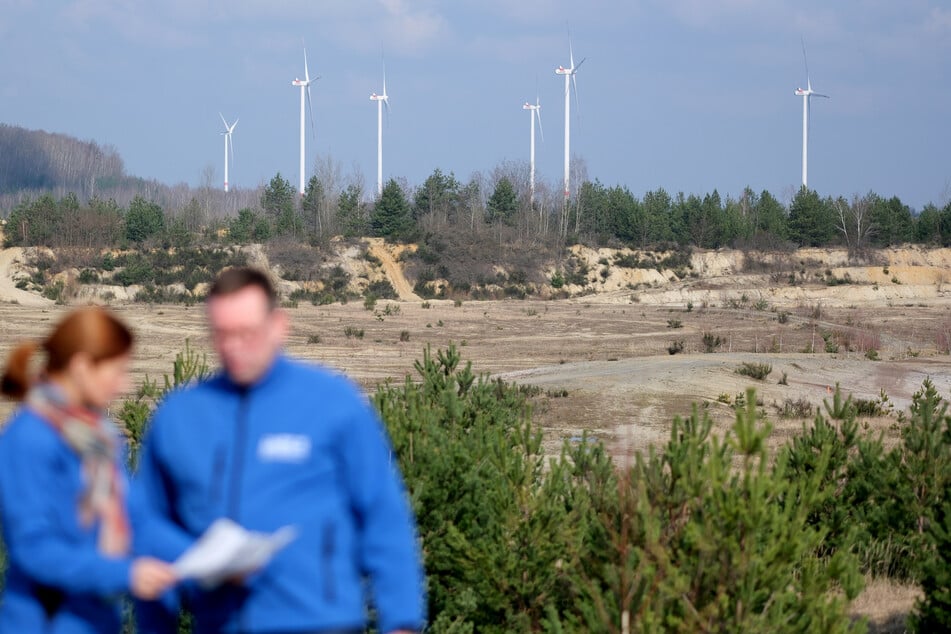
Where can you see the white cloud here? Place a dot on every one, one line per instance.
(412, 31)
(938, 23)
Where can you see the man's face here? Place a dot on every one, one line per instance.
(247, 335)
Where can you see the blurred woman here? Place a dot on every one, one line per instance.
(62, 484)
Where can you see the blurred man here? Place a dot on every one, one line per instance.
(272, 442)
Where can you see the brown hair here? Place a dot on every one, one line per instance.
(93, 331)
(241, 277)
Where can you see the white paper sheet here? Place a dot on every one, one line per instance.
(228, 550)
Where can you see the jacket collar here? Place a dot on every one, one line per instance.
(277, 368)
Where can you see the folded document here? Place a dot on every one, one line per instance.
(228, 550)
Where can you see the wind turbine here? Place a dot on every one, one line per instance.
(304, 85)
(536, 110)
(806, 95)
(229, 145)
(380, 100)
(570, 78)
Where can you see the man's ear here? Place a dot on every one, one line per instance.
(282, 324)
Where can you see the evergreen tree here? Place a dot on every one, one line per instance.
(391, 216)
(351, 216)
(892, 220)
(278, 198)
(771, 219)
(661, 224)
(34, 223)
(143, 220)
(811, 221)
(503, 203)
(928, 225)
(439, 196)
(310, 206)
(241, 227)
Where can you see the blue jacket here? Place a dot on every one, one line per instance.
(51, 556)
(302, 447)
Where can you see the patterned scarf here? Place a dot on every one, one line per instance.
(91, 435)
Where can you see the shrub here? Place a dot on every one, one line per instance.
(675, 346)
(832, 346)
(758, 371)
(800, 408)
(351, 332)
(674, 323)
(55, 291)
(88, 276)
(404, 335)
(382, 289)
(710, 341)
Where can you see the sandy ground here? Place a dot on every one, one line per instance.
(602, 360)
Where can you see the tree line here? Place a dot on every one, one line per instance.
(598, 215)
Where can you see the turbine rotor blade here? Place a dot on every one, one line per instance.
(538, 112)
(310, 107)
(574, 81)
(223, 120)
(580, 63)
(571, 53)
(805, 62)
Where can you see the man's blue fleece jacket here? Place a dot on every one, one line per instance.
(301, 447)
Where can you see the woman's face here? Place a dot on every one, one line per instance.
(99, 383)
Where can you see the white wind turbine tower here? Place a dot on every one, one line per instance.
(304, 85)
(806, 95)
(229, 145)
(380, 100)
(536, 110)
(569, 74)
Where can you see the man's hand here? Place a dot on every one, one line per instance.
(150, 578)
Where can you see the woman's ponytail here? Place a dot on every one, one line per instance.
(16, 376)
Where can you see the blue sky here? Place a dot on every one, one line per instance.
(689, 95)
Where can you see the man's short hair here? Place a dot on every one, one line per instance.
(239, 278)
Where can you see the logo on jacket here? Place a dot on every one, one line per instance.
(284, 448)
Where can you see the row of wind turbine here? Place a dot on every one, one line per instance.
(570, 75)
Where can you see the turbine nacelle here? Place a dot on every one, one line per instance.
(376, 97)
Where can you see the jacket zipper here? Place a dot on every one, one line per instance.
(237, 468)
(237, 464)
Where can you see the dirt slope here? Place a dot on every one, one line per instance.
(8, 290)
(394, 272)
